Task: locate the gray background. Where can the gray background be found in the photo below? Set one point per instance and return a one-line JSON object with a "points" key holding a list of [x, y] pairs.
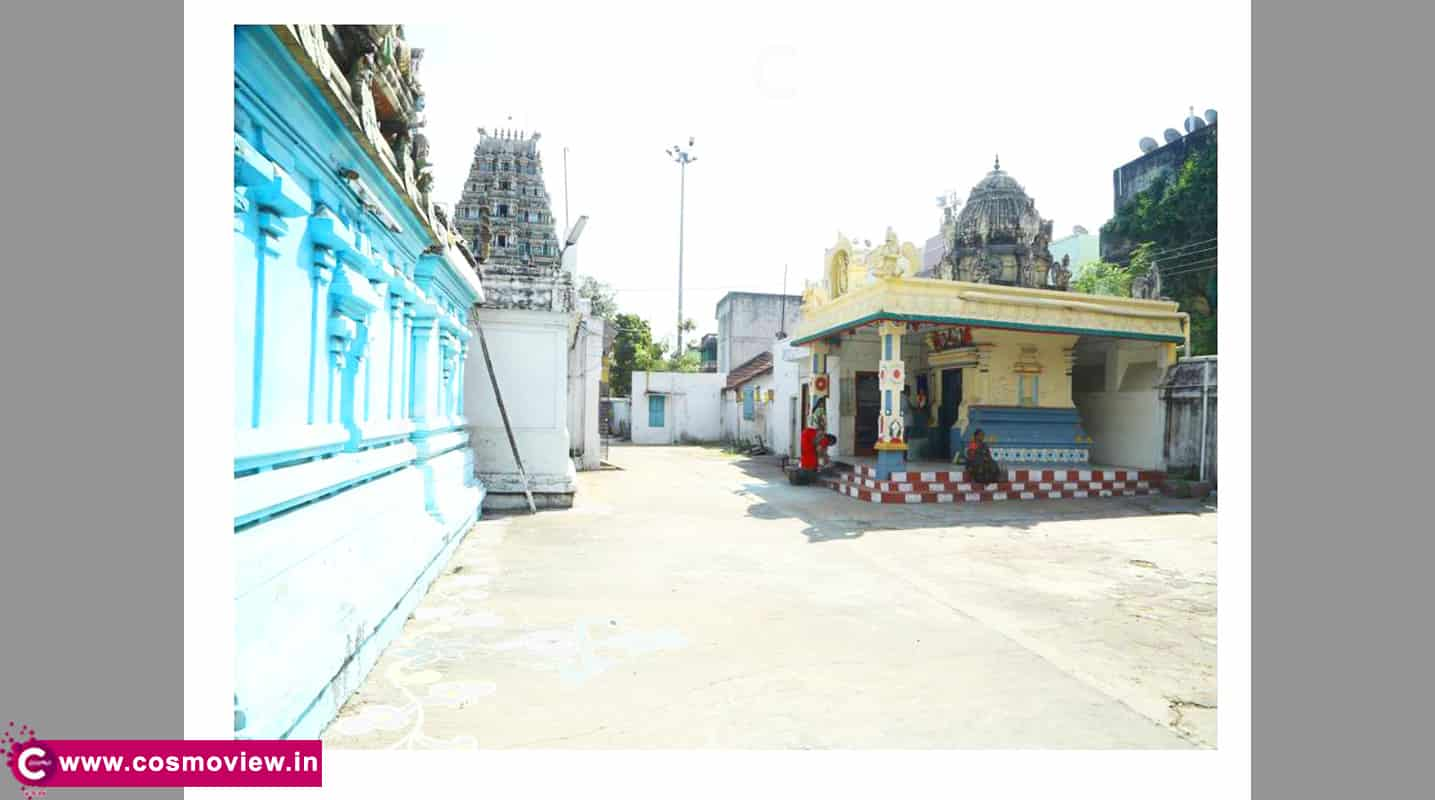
{"points": [[90, 571], [90, 568], [1341, 180]]}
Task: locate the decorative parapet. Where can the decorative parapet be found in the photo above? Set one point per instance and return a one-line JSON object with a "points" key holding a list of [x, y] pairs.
{"points": [[989, 305], [847, 267], [507, 290]]}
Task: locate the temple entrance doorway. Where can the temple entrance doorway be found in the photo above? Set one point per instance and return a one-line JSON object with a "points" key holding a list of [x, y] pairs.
{"points": [[868, 407], [947, 414]]}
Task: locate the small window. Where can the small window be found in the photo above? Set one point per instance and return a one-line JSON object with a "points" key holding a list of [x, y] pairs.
{"points": [[523, 248], [1028, 390], [502, 209], [502, 240]]}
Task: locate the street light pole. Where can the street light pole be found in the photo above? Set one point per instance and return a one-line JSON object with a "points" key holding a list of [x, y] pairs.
{"points": [[683, 157]]}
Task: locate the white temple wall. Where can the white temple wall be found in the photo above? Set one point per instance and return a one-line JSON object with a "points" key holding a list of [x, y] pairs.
{"points": [[1120, 405], [585, 367], [530, 356]]}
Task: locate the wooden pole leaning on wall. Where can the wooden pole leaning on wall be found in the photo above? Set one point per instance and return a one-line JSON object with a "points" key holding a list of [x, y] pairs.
{"points": [[503, 412]]}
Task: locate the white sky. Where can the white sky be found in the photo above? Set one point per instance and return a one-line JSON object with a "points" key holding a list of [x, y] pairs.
{"points": [[807, 122]]}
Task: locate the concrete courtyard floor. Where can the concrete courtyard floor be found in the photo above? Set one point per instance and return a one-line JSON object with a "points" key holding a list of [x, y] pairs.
{"points": [[694, 599]]}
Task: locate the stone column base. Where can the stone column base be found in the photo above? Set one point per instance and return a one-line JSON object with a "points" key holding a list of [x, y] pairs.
{"points": [[494, 501], [889, 461], [505, 490]]}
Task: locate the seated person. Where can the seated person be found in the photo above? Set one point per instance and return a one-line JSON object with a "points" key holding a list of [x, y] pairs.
{"points": [[814, 460], [981, 466], [824, 444]]}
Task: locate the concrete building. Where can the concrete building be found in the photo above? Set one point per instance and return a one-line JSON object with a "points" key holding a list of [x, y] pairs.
{"points": [[353, 475], [748, 324], [760, 400], [1137, 175], [1081, 247], [747, 397], [546, 346], [1156, 162], [677, 407]]}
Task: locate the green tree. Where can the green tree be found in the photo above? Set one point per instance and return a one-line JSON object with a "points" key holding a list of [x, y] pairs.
{"points": [[602, 296], [633, 351], [689, 361], [1100, 277], [1174, 222]]}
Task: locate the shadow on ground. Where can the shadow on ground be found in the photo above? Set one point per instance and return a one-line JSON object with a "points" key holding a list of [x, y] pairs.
{"points": [[831, 516]]}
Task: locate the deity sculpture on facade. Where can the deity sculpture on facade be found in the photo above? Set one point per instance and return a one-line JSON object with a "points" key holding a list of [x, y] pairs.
{"points": [[839, 273], [361, 79], [1148, 286], [403, 156], [1059, 277], [425, 186], [892, 259]]}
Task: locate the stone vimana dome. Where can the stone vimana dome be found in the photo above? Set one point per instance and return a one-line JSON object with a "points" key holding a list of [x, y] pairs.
{"points": [[998, 210], [1000, 238]]}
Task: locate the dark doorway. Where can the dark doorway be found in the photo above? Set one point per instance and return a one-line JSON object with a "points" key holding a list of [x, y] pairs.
{"points": [[941, 437], [868, 406], [803, 410]]}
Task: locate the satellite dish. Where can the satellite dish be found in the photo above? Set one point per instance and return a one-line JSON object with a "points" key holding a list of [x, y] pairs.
{"points": [[1171, 135], [1210, 116], [1148, 144]]}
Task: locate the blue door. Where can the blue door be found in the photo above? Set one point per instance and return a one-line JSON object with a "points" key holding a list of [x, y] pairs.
{"points": [[657, 410]]}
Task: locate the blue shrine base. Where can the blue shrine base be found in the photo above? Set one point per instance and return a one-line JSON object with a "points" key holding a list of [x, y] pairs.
{"points": [[889, 461], [1028, 435]]}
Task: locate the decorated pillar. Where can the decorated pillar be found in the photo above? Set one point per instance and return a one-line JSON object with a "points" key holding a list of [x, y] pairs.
{"points": [[821, 385], [891, 436]]}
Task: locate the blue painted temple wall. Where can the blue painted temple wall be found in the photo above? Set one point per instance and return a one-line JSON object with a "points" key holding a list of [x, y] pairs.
{"points": [[1028, 435], [353, 474]]}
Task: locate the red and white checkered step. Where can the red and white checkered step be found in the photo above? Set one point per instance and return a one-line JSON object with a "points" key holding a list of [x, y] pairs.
{"points": [[951, 486]]}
